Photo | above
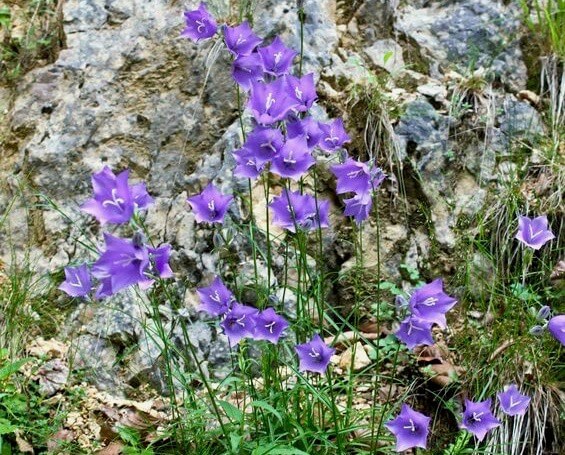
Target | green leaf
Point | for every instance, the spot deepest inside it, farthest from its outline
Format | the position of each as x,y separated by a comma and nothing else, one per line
235,441
232,412
11,368
274,449
6,427
387,56
267,407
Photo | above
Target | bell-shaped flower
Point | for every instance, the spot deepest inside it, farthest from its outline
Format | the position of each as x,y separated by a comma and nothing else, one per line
113,200
200,24
430,303
269,102
264,143
293,160
159,259
269,326
478,418
410,429
247,69
248,166
276,57
307,127
352,177
315,355
293,210
215,299
77,281
333,136
534,233
122,264
556,327
359,207
414,331
512,402
239,322
302,91
240,40
211,205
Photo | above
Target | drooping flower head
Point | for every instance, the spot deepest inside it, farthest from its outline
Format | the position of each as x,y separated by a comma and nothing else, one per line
200,24
294,159
478,418
215,299
240,40
211,205
292,209
333,136
534,233
430,303
239,322
410,429
556,327
77,281
512,402
269,102
276,57
359,207
315,355
114,200
302,91
269,326
247,69
122,264
414,331
159,260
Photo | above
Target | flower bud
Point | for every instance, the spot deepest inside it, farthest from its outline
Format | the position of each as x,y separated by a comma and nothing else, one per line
537,330
544,313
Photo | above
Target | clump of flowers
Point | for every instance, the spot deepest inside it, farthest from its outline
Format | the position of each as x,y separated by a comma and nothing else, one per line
427,306
124,262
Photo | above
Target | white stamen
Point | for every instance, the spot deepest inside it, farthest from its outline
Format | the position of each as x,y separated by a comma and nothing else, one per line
239,321
270,326
298,93
215,297
512,403
270,101
278,57
314,354
533,234
268,145
430,301
212,205
78,283
477,415
201,26
410,427
115,201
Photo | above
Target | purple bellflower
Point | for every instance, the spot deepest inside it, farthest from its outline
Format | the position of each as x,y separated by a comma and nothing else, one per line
200,24
307,127
239,323
114,200
478,418
211,205
294,159
410,429
333,136
265,143
240,39
302,91
159,259
414,331
247,69
430,303
269,102
269,326
215,299
359,207
556,327
292,209
276,57
315,355
122,264
77,281
512,402
248,166
352,177
533,232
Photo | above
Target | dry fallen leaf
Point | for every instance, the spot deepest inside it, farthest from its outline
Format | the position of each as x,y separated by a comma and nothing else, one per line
114,448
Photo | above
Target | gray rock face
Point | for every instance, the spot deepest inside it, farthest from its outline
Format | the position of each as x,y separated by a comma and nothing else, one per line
468,34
